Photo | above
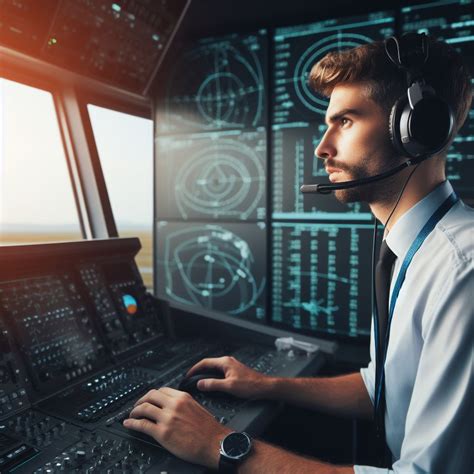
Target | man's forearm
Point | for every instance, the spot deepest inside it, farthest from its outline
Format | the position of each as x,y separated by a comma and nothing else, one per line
344,395
272,460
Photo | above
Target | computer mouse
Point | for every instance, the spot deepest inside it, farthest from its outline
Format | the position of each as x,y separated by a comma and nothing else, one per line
189,384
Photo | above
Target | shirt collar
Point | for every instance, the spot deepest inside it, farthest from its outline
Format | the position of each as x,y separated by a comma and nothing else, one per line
405,230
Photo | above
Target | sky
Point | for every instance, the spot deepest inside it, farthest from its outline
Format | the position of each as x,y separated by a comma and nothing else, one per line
35,188
125,145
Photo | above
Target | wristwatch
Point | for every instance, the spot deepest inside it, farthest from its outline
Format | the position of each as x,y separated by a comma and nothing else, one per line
235,447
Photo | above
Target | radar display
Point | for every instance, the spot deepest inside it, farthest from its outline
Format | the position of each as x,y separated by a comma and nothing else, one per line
298,113
219,84
216,267
294,163
298,48
318,280
215,175
453,22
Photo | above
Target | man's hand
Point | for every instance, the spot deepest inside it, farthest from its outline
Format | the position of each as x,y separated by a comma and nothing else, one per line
239,380
179,424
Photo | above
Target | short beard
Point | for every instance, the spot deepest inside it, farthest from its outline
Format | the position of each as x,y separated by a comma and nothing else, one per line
359,194
380,191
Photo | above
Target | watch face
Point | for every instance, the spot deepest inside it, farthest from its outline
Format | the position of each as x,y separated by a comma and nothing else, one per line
236,445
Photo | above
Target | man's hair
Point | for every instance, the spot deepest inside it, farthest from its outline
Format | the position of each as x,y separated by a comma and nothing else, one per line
369,64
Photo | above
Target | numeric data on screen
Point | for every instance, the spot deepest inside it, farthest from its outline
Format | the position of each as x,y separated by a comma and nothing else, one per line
321,277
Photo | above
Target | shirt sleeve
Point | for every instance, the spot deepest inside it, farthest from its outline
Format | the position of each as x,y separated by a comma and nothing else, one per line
439,433
368,376
368,373
371,470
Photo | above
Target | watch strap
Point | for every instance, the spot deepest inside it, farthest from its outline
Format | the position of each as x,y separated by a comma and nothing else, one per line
227,466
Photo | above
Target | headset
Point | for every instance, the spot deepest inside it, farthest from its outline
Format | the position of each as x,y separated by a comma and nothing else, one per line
420,122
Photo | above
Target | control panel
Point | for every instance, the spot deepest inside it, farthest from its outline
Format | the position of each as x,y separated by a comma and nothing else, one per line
13,379
37,443
118,42
125,312
80,341
54,332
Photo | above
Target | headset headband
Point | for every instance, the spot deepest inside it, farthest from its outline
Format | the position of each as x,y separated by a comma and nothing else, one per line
409,53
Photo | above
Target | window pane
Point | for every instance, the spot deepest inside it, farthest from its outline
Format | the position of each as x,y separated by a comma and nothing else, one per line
36,196
125,146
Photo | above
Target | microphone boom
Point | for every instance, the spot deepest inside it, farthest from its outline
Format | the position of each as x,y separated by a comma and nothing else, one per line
327,188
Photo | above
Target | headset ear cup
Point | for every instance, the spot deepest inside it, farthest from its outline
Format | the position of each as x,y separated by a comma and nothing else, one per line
430,124
394,125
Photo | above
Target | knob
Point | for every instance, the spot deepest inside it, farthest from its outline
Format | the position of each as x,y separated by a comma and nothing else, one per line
96,450
80,455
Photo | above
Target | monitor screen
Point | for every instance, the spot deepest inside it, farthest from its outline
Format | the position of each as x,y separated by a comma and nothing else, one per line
320,247
298,48
321,277
213,175
216,84
453,22
220,267
294,163
298,112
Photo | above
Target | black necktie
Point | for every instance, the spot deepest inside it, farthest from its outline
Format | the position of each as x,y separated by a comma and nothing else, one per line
383,273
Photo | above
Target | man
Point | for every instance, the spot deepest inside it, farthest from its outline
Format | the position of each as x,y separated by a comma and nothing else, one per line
428,365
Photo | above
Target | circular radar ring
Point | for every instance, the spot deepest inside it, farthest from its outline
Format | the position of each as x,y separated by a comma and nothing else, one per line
211,267
311,56
218,98
226,178
229,94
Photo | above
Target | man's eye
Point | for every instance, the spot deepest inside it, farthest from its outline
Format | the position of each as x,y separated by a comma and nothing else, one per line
345,121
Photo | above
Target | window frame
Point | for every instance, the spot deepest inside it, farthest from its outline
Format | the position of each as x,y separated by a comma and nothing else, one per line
71,93
148,113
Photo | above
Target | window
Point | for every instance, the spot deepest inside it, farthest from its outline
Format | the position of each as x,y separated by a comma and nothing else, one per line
36,194
125,146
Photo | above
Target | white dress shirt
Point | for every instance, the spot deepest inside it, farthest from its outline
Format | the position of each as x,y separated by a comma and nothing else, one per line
429,416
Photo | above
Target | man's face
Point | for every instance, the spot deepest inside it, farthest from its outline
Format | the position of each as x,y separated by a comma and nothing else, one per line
356,143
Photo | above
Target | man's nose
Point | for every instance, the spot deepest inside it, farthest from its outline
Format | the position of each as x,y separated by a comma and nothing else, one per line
325,148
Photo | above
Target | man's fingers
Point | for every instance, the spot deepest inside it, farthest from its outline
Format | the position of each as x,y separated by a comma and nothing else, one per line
208,385
170,392
146,410
214,363
156,397
143,425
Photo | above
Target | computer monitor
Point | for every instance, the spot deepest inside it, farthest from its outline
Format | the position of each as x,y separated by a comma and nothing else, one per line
231,165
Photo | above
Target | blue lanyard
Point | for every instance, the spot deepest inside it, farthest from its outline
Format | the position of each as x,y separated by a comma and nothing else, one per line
417,243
